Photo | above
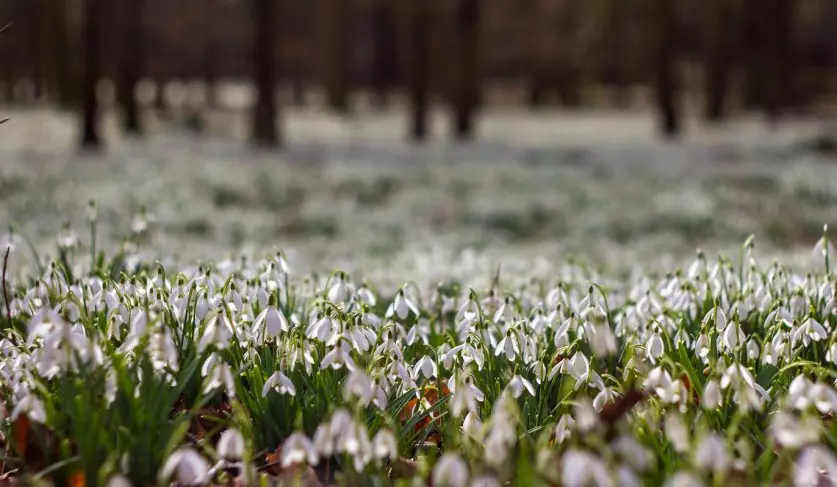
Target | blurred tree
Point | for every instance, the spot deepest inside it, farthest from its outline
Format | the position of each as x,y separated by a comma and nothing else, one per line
131,64
781,66
65,46
716,58
92,71
210,53
467,72
532,40
569,69
385,50
667,50
616,40
418,21
265,130
336,49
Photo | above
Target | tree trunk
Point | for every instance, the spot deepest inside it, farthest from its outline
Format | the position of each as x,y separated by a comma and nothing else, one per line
616,41
530,31
66,47
336,54
717,60
779,59
418,72
754,53
210,54
265,130
666,68
132,65
92,71
467,85
385,51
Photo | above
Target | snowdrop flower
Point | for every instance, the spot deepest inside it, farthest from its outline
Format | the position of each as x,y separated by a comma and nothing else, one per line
338,357
579,368
401,306
792,432
231,445
601,340
272,321
118,481
815,466
581,469
654,348
677,433
188,467
485,481
711,454
30,406
564,428
298,449
385,446
632,452
683,479
217,334
472,426
711,395
465,397
426,367
220,375
280,383
450,471
604,397
518,384
508,345
732,336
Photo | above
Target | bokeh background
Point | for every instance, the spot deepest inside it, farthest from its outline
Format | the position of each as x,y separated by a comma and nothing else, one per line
435,137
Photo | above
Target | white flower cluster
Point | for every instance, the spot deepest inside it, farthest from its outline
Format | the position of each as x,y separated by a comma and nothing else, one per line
722,370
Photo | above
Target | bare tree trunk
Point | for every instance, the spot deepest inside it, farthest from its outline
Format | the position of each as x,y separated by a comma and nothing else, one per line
617,23
92,71
385,51
779,58
210,54
467,85
754,53
418,70
265,130
717,59
132,65
66,47
336,54
531,32
666,68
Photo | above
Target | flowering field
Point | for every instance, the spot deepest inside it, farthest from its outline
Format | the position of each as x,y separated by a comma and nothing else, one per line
424,322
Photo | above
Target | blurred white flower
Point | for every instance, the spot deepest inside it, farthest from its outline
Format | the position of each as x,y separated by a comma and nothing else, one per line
280,383
815,466
230,445
426,367
518,384
298,449
582,469
385,445
677,433
187,466
792,432
712,397
450,471
711,453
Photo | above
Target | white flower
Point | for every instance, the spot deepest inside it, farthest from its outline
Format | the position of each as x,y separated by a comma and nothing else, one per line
472,426
118,481
792,432
711,395
401,306
485,481
465,397
632,452
188,466
30,406
518,384
815,466
564,428
272,320
683,479
654,348
426,367
450,471
711,453
384,445
280,383
579,368
509,346
220,375
298,449
231,445
582,469
677,433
